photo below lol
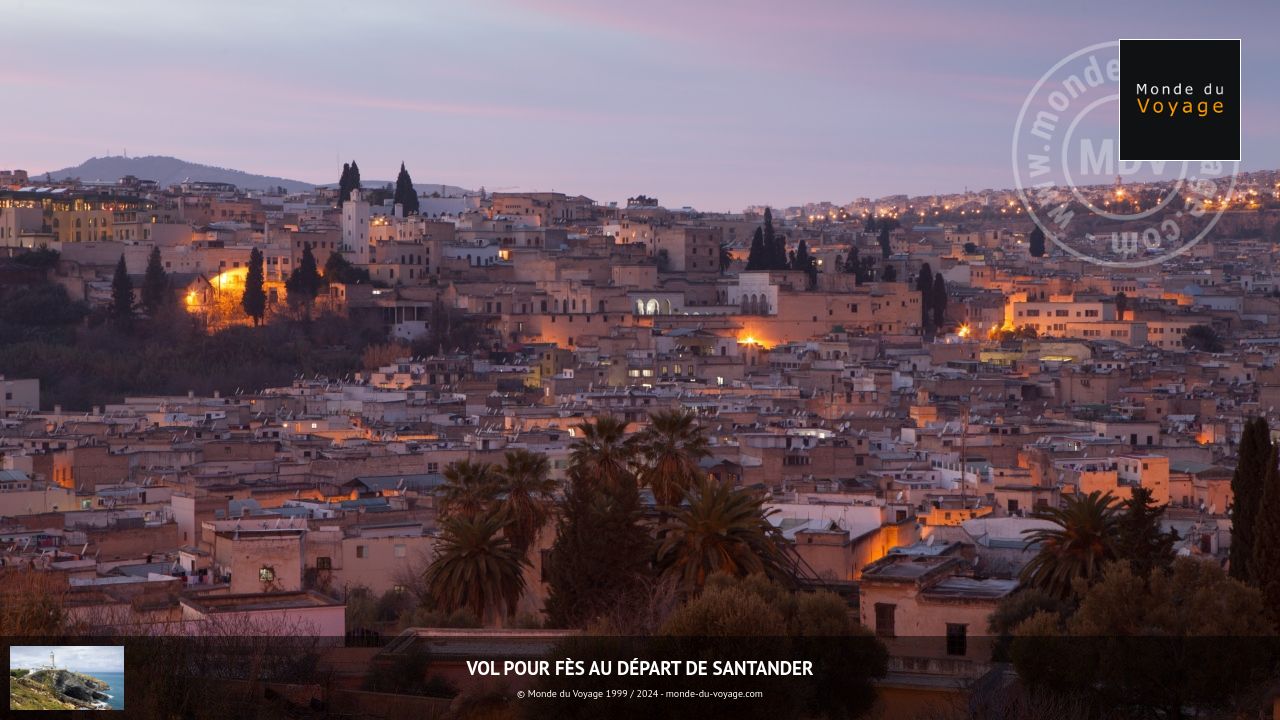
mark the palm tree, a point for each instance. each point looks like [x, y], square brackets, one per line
[671, 447]
[476, 566]
[602, 454]
[1083, 541]
[469, 488]
[720, 529]
[526, 495]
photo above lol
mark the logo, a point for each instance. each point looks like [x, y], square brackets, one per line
[1087, 200]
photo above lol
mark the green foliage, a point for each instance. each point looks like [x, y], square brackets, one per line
[254, 299]
[337, 269]
[304, 283]
[1140, 540]
[671, 447]
[18, 672]
[469, 488]
[406, 196]
[1265, 567]
[602, 555]
[169, 354]
[349, 181]
[526, 496]
[1035, 242]
[1246, 488]
[938, 300]
[970, 249]
[885, 248]
[1083, 541]
[1182, 638]
[1203, 338]
[121, 307]
[40, 257]
[156, 292]
[406, 674]
[768, 249]
[476, 567]
[890, 273]
[720, 529]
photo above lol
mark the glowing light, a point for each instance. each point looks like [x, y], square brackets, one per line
[964, 331]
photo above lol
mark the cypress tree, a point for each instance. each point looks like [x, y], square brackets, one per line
[1036, 242]
[344, 183]
[889, 274]
[405, 195]
[155, 284]
[885, 249]
[1265, 564]
[121, 307]
[756, 259]
[601, 555]
[355, 177]
[939, 300]
[304, 282]
[1246, 487]
[924, 285]
[254, 300]
[775, 247]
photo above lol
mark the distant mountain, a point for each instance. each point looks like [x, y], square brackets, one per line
[168, 171]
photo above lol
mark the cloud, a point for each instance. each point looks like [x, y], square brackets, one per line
[80, 658]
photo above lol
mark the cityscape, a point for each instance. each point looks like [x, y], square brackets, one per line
[365, 446]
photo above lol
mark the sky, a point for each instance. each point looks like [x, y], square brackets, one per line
[707, 103]
[78, 658]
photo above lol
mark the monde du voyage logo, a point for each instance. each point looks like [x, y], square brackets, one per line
[1124, 151]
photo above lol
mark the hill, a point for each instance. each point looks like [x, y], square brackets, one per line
[170, 171]
[55, 690]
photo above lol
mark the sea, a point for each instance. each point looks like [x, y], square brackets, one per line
[116, 691]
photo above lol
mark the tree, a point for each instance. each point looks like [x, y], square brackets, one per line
[337, 269]
[889, 274]
[938, 299]
[121, 307]
[602, 455]
[756, 258]
[726, 258]
[721, 529]
[671, 447]
[1140, 540]
[469, 488]
[1122, 302]
[406, 196]
[526, 495]
[1083, 541]
[885, 248]
[602, 555]
[1266, 541]
[1190, 637]
[304, 282]
[1203, 338]
[775, 246]
[349, 181]
[1246, 489]
[254, 300]
[155, 284]
[476, 567]
[970, 249]
[924, 285]
[1035, 242]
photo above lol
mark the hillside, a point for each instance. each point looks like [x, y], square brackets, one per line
[27, 694]
[169, 171]
[55, 690]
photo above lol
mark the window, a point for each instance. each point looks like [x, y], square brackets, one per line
[884, 619]
[399, 551]
[360, 551]
[957, 639]
[324, 563]
[267, 574]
